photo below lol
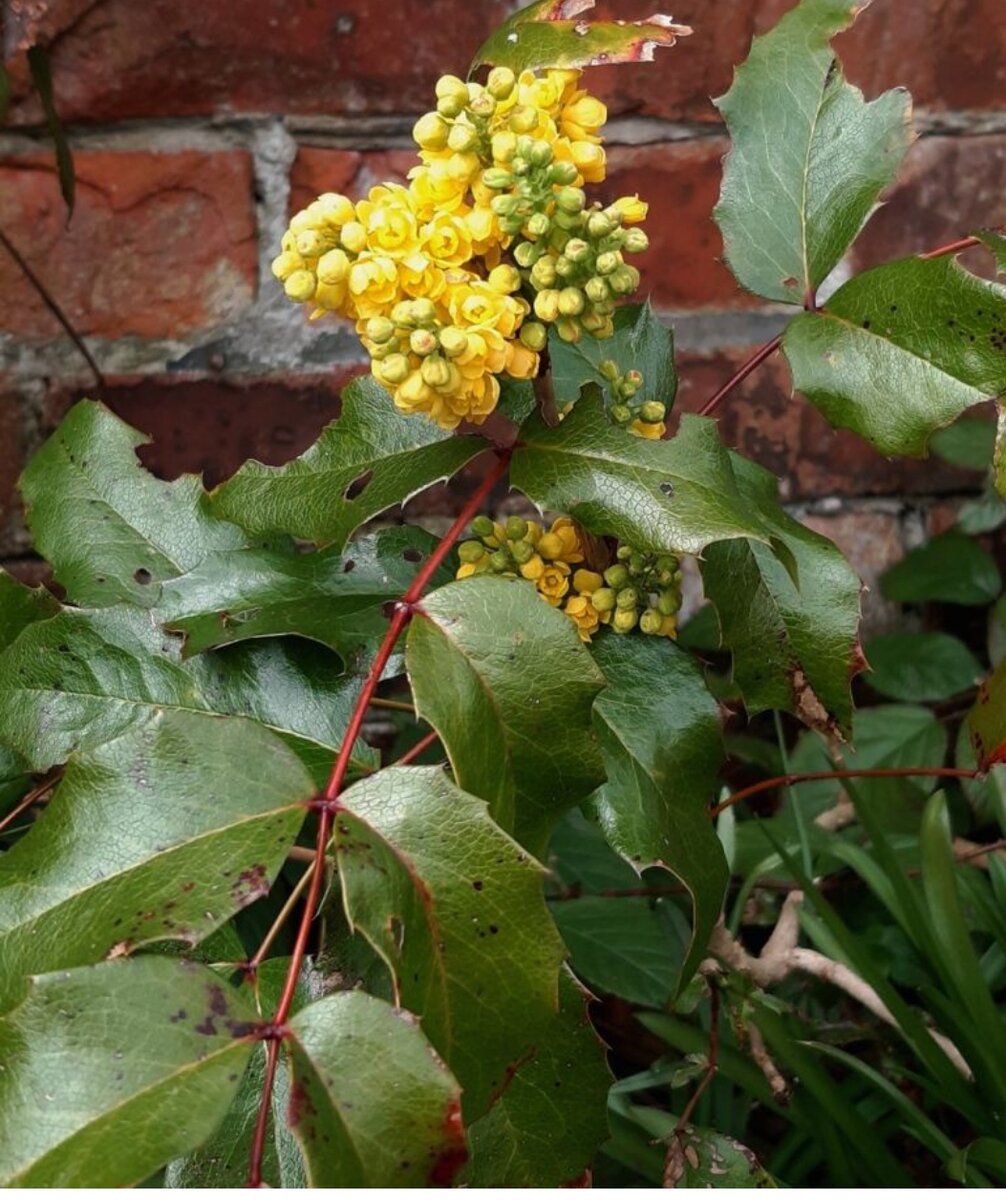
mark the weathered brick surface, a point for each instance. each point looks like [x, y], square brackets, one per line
[318, 169]
[159, 244]
[12, 450]
[786, 434]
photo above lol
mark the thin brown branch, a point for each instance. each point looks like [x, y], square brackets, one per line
[50, 302]
[418, 749]
[952, 247]
[752, 365]
[33, 797]
[674, 1163]
[393, 705]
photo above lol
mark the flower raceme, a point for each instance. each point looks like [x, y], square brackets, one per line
[632, 591]
[452, 280]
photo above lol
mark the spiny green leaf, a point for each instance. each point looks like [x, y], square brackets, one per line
[371, 1103]
[161, 834]
[921, 666]
[373, 457]
[41, 76]
[545, 34]
[808, 157]
[507, 684]
[951, 568]
[901, 351]
[82, 678]
[675, 495]
[112, 1070]
[794, 636]
[987, 720]
[455, 908]
[654, 809]
[330, 597]
[546, 1126]
[113, 532]
[517, 400]
[640, 343]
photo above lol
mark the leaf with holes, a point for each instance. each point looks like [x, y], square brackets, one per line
[334, 598]
[371, 1103]
[161, 834]
[83, 678]
[987, 720]
[808, 156]
[901, 351]
[654, 808]
[674, 495]
[508, 686]
[112, 1070]
[455, 908]
[703, 1158]
[794, 635]
[546, 34]
[640, 343]
[113, 532]
[372, 458]
[546, 1126]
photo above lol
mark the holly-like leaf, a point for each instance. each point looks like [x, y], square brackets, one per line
[547, 34]
[545, 1128]
[370, 459]
[112, 1070]
[112, 531]
[455, 908]
[371, 1103]
[901, 351]
[951, 568]
[517, 400]
[333, 598]
[83, 678]
[161, 834]
[508, 686]
[662, 771]
[808, 156]
[921, 666]
[794, 635]
[675, 495]
[640, 343]
[987, 720]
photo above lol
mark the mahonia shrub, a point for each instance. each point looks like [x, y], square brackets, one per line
[240, 944]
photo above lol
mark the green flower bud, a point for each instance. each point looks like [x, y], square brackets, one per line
[616, 576]
[571, 222]
[504, 206]
[523, 119]
[543, 274]
[653, 412]
[541, 154]
[462, 138]
[527, 254]
[402, 315]
[609, 369]
[500, 561]
[516, 527]
[651, 622]
[624, 620]
[668, 562]
[669, 602]
[522, 552]
[436, 371]
[569, 329]
[422, 342]
[534, 336]
[482, 105]
[564, 173]
[511, 225]
[600, 225]
[451, 85]
[608, 262]
[453, 341]
[564, 268]
[471, 552]
[380, 330]
[450, 106]
[571, 302]
[621, 414]
[577, 250]
[301, 286]
[424, 311]
[501, 82]
[571, 200]
[636, 241]
[483, 527]
[538, 225]
[395, 369]
[624, 280]
[624, 553]
[497, 178]
[637, 564]
[603, 600]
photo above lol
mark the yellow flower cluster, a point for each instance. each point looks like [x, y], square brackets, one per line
[421, 269]
[636, 590]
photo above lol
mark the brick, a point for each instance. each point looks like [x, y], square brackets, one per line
[789, 436]
[12, 450]
[159, 244]
[119, 59]
[318, 169]
[948, 187]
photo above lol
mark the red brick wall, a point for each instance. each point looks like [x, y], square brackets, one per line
[198, 123]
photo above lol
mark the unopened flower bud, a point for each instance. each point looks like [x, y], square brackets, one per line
[482, 105]
[538, 225]
[471, 552]
[354, 237]
[394, 369]
[546, 304]
[301, 286]
[609, 369]
[504, 279]
[462, 138]
[586, 581]
[571, 200]
[436, 371]
[652, 411]
[496, 178]
[603, 599]
[616, 576]
[500, 561]
[523, 119]
[534, 335]
[522, 552]
[422, 342]
[501, 82]
[430, 132]
[333, 267]
[636, 241]
[669, 602]
[621, 414]
[543, 275]
[527, 253]
[482, 527]
[600, 225]
[453, 341]
[624, 620]
[651, 622]
[624, 280]
[571, 302]
[504, 206]
[534, 568]
[569, 329]
[564, 268]
[608, 262]
[504, 146]
[379, 330]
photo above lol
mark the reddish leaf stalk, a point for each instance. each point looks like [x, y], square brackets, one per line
[752, 365]
[403, 612]
[952, 247]
[768, 785]
[419, 748]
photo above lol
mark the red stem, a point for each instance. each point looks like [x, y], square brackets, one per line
[752, 364]
[419, 748]
[403, 612]
[768, 785]
[952, 247]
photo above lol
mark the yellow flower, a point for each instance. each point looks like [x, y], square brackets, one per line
[587, 581]
[647, 429]
[589, 160]
[565, 530]
[390, 221]
[582, 116]
[534, 568]
[521, 362]
[466, 569]
[633, 209]
[373, 285]
[584, 615]
[447, 240]
[435, 190]
[553, 583]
